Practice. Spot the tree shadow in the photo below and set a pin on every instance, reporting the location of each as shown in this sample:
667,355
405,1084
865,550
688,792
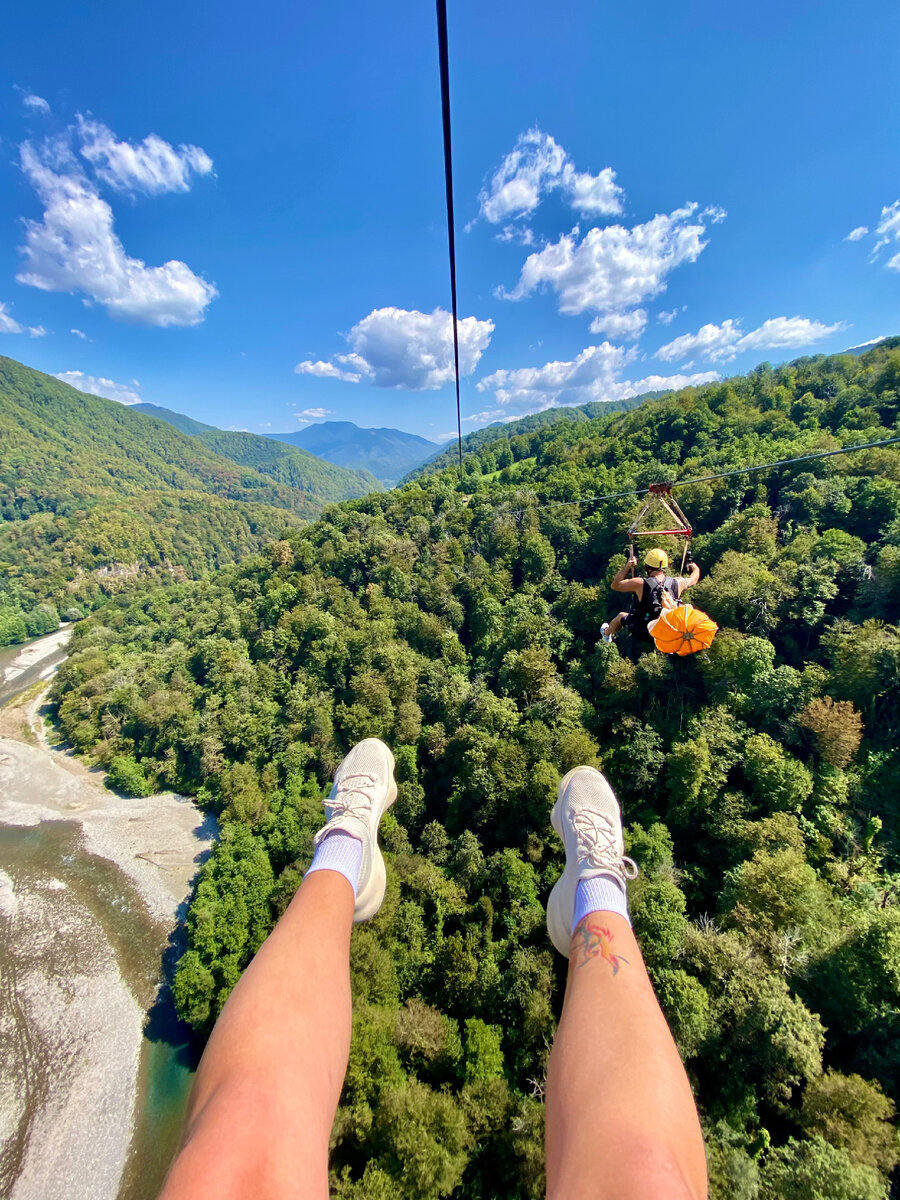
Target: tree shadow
163,1023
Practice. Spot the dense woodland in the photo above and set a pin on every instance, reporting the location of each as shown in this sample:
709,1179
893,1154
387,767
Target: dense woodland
459,620
93,494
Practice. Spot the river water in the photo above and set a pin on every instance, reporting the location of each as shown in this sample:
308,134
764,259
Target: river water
95,1068
37,660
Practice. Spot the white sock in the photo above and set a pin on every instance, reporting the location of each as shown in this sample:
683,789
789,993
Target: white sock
340,852
600,893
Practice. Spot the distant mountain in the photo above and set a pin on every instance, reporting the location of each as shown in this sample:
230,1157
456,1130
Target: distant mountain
292,465
387,453
92,492
179,420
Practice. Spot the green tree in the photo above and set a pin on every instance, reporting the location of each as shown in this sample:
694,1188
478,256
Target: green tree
815,1170
855,1115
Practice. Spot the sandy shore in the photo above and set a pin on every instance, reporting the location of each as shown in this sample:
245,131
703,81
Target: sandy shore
80,945
158,842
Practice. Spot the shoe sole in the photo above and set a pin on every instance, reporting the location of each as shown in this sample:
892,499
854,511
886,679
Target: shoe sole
561,905
371,898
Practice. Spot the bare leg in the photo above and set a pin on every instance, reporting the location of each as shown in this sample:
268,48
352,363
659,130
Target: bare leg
270,1079
621,1120
615,625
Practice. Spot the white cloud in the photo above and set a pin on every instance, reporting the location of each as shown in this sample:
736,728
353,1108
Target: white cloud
714,342
889,224
483,418
98,386
613,269
626,325
536,165
533,166
522,235
9,324
75,249
886,231
595,374
152,166
403,348
79,333
871,342
592,195
326,370
788,331
666,318
317,413
721,343
36,103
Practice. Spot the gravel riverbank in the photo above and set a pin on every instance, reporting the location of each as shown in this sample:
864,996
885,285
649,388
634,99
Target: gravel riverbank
91,886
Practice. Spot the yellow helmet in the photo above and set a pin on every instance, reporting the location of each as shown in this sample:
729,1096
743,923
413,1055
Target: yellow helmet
658,560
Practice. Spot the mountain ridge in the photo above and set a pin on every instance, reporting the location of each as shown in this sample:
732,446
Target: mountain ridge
388,453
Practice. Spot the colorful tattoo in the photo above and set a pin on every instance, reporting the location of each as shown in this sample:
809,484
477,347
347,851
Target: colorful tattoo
591,940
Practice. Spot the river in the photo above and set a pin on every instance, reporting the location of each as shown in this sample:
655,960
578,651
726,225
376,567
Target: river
95,1068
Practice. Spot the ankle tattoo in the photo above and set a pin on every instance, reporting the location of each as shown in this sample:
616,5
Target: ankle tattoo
592,940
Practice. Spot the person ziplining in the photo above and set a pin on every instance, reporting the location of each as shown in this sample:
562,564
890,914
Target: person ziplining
649,595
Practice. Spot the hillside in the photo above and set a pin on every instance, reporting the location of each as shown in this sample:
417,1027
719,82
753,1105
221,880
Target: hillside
88,485
291,465
179,420
387,453
460,622
286,464
505,433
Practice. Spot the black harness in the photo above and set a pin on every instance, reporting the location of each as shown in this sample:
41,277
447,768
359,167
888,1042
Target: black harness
649,605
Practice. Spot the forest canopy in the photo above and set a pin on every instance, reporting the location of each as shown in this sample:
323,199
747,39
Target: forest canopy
458,619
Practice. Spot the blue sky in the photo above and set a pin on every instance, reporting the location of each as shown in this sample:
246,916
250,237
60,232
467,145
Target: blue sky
241,210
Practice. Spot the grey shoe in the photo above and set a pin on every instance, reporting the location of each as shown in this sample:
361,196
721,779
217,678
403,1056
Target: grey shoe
606,635
586,816
364,789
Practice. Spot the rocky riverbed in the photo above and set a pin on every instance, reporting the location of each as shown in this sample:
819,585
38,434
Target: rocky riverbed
92,887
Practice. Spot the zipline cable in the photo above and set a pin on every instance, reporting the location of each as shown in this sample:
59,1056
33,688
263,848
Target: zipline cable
782,462
443,54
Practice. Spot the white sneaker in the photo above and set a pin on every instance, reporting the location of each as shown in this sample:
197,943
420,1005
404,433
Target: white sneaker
605,634
364,788
586,816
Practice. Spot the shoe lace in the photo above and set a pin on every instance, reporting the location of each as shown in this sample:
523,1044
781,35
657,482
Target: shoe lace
351,795
597,848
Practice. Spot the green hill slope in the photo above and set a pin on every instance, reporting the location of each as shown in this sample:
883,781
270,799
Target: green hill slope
502,437
179,420
291,465
288,464
461,622
87,484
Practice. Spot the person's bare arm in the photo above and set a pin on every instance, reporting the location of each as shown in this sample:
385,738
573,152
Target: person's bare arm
619,583
689,580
